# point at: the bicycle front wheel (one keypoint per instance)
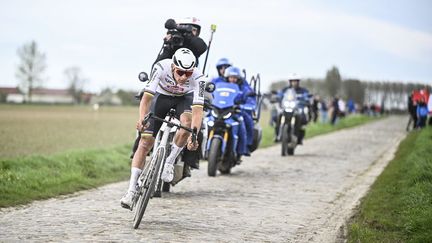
(148, 188)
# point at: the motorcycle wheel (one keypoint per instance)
(213, 157)
(285, 139)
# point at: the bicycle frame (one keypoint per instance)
(150, 175)
(145, 177)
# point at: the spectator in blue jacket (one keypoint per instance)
(422, 113)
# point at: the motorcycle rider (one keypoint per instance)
(304, 102)
(221, 66)
(247, 103)
(174, 83)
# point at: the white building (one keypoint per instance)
(51, 96)
(12, 95)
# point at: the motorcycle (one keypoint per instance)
(223, 127)
(290, 121)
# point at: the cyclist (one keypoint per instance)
(174, 83)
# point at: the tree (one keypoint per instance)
(32, 65)
(278, 85)
(333, 81)
(76, 82)
(127, 97)
(355, 90)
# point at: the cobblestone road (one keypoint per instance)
(305, 198)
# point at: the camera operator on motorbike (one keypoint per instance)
(174, 83)
(183, 33)
(247, 103)
(304, 101)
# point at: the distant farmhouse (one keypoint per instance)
(55, 96)
(39, 95)
(51, 96)
(11, 95)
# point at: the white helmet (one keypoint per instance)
(294, 76)
(190, 21)
(184, 59)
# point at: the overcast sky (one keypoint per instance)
(112, 41)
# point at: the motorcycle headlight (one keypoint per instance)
(289, 104)
(227, 115)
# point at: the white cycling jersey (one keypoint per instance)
(162, 81)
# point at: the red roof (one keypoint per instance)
(7, 90)
(42, 91)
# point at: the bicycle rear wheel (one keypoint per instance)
(148, 188)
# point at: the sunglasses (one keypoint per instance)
(181, 73)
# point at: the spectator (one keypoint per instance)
(335, 110)
(315, 102)
(412, 110)
(323, 111)
(351, 106)
(430, 109)
(372, 109)
(342, 108)
(422, 112)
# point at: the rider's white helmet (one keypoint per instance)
(294, 76)
(184, 59)
(190, 21)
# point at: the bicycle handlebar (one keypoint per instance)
(193, 131)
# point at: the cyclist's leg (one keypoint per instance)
(184, 111)
(145, 144)
(160, 106)
(183, 108)
(191, 157)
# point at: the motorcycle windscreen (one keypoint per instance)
(290, 95)
(225, 94)
(289, 101)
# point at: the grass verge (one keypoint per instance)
(398, 207)
(23, 180)
(314, 129)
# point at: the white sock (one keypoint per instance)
(135, 173)
(175, 151)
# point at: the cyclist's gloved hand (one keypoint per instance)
(139, 125)
(192, 146)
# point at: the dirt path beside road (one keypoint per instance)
(268, 198)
